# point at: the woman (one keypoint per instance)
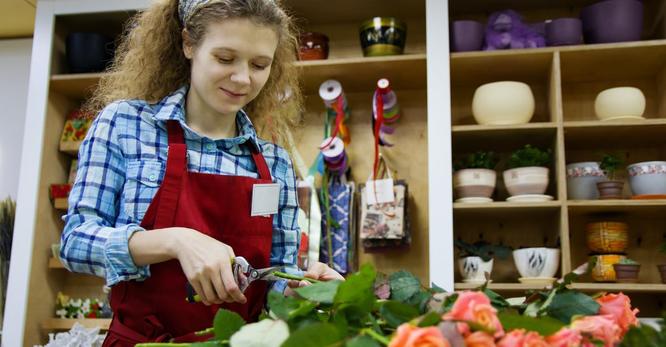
(173, 181)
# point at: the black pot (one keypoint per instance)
(88, 52)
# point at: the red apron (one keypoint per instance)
(219, 206)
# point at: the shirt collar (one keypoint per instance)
(172, 107)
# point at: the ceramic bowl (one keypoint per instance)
(582, 180)
(503, 103)
(612, 21)
(474, 183)
(647, 178)
(383, 36)
(526, 180)
(619, 103)
(537, 261)
(467, 35)
(473, 269)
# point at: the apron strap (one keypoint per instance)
(262, 167)
(175, 169)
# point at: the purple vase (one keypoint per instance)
(466, 35)
(612, 21)
(564, 31)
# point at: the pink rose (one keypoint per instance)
(565, 338)
(479, 339)
(411, 336)
(618, 306)
(602, 328)
(475, 307)
(521, 338)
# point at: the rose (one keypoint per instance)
(479, 339)
(601, 328)
(475, 307)
(410, 336)
(618, 306)
(521, 338)
(565, 337)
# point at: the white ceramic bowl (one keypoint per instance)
(474, 182)
(526, 180)
(537, 261)
(620, 103)
(503, 103)
(582, 180)
(473, 269)
(647, 178)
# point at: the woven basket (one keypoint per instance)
(607, 237)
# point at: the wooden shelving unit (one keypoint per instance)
(55, 324)
(565, 81)
(70, 147)
(60, 204)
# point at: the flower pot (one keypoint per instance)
(564, 31)
(474, 183)
(582, 180)
(503, 103)
(647, 178)
(610, 189)
(662, 272)
(620, 103)
(537, 262)
(312, 46)
(383, 36)
(626, 273)
(474, 269)
(607, 237)
(612, 21)
(603, 271)
(88, 52)
(526, 180)
(467, 35)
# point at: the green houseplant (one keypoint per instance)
(475, 261)
(475, 177)
(527, 177)
(610, 188)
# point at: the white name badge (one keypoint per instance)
(265, 198)
(379, 192)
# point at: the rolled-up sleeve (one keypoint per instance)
(91, 242)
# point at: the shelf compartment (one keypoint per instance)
(67, 324)
(503, 207)
(641, 207)
(639, 133)
(70, 147)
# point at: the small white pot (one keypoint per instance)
(503, 103)
(537, 261)
(620, 103)
(473, 269)
(526, 180)
(647, 178)
(469, 183)
(582, 180)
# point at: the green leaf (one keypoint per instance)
(544, 325)
(314, 335)
(357, 291)
(323, 292)
(430, 319)
(266, 333)
(396, 313)
(362, 341)
(569, 304)
(449, 301)
(226, 323)
(403, 286)
(206, 344)
(496, 300)
(287, 308)
(436, 289)
(644, 335)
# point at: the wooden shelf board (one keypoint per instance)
(466, 138)
(589, 134)
(506, 205)
(473, 128)
(464, 211)
(588, 287)
(70, 147)
(578, 207)
(77, 86)
(54, 263)
(499, 286)
(60, 204)
(66, 324)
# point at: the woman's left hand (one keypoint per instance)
(318, 271)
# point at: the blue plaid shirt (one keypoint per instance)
(122, 162)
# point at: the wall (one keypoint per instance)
(14, 73)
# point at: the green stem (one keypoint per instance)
(294, 277)
(162, 344)
(379, 338)
(205, 332)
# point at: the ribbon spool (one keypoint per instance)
(337, 108)
(389, 111)
(335, 157)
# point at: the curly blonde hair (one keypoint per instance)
(150, 63)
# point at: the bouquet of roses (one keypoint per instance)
(396, 311)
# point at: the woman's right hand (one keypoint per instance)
(206, 263)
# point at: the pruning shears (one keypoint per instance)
(244, 274)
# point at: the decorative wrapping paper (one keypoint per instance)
(340, 196)
(385, 226)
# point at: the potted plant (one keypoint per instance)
(537, 265)
(476, 260)
(527, 178)
(626, 271)
(610, 188)
(474, 179)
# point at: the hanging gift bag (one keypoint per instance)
(335, 240)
